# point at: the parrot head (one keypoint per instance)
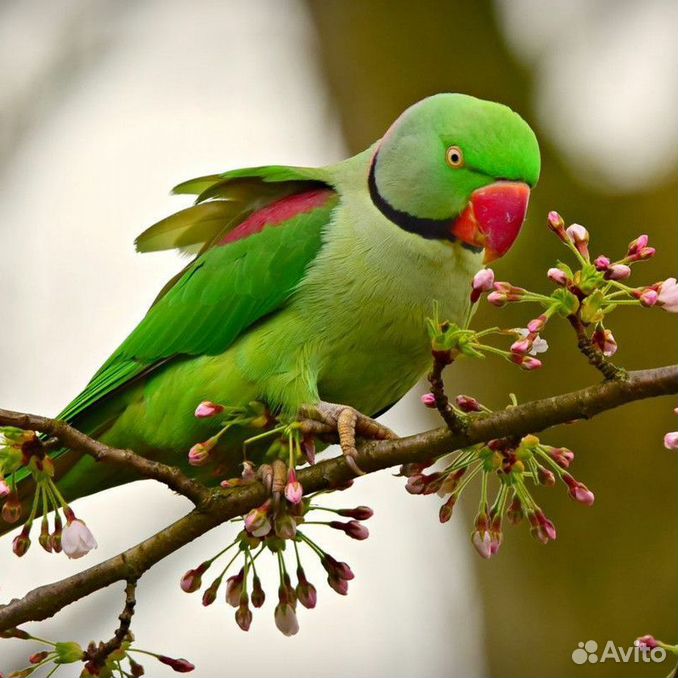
(457, 168)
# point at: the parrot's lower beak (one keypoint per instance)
(493, 217)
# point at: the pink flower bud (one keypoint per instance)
(428, 400)
(579, 237)
(416, 484)
(557, 276)
(526, 362)
(644, 254)
(482, 282)
(11, 509)
(546, 477)
(5, 489)
(447, 508)
(602, 263)
(639, 250)
(199, 454)
(258, 595)
(208, 409)
(234, 588)
(77, 540)
(646, 642)
(515, 511)
(285, 526)
(537, 325)
(293, 490)
(482, 542)
(562, 456)
(604, 340)
(496, 534)
(178, 665)
(647, 297)
(498, 299)
(358, 513)
(556, 224)
(56, 535)
(210, 593)
(352, 528)
(257, 522)
(638, 244)
(467, 403)
(45, 538)
(547, 527)
(671, 440)
(521, 346)
(578, 491)
(192, 580)
(339, 585)
(286, 619)
(243, 616)
(38, 657)
(21, 543)
(618, 272)
(305, 591)
(433, 482)
(337, 569)
(668, 295)
(530, 342)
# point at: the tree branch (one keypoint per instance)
(216, 506)
(79, 442)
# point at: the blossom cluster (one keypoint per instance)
(274, 528)
(123, 662)
(588, 293)
(515, 464)
(22, 455)
(450, 341)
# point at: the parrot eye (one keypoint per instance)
(454, 157)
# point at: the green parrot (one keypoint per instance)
(310, 287)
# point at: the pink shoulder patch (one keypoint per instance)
(278, 213)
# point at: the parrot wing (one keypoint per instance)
(223, 201)
(258, 230)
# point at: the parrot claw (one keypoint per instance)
(348, 423)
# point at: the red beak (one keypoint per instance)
(493, 217)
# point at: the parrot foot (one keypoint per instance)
(348, 423)
(273, 476)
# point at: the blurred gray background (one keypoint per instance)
(106, 105)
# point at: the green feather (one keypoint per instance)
(224, 201)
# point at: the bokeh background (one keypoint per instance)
(104, 105)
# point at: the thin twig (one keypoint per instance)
(97, 655)
(442, 359)
(219, 506)
(595, 357)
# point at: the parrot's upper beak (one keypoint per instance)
(493, 217)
